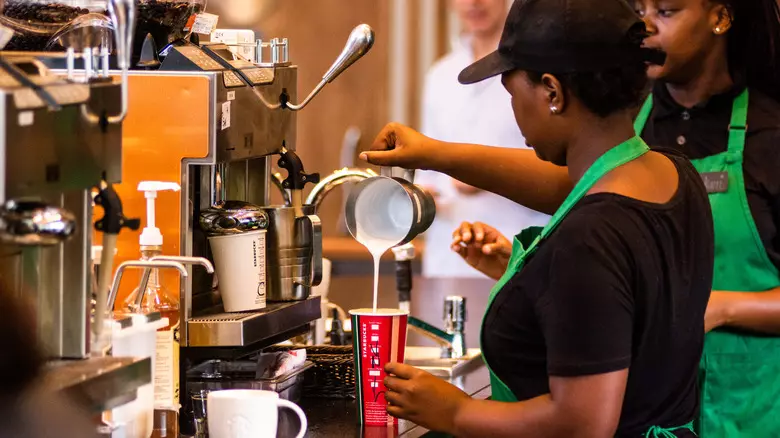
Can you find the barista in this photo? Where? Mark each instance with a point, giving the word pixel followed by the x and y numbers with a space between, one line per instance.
pixel 594 330
pixel 721 65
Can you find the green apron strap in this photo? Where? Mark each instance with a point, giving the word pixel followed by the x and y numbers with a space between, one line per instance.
pixel 644 115
pixel 738 125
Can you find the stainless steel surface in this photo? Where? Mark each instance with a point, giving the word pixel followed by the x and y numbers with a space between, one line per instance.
pixel 99 384
pixel 337 178
pixel 233 217
pixel 247 328
pixel 429 359
pixel 236 167
pixel 35 223
pixel 57 279
pixel 140 264
pixel 290 253
pixel 397 172
pixel 360 41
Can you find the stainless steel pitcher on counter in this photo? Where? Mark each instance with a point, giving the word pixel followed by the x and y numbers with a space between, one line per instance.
pixel 294 238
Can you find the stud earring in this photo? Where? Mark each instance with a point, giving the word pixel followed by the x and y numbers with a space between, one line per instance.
pixel 554 109
pixel 718 31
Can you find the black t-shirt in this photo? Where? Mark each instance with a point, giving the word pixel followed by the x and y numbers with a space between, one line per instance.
pixel 621 283
pixel 702 131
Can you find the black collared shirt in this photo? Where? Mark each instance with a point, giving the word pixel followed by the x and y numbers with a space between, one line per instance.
pixel 702 131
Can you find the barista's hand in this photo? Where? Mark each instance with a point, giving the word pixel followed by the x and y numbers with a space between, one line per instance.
pixel 417 396
pixel 400 146
pixel 483 247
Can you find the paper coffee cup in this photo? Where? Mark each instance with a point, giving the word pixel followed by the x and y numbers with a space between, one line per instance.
pixel 239 261
pixel 378 338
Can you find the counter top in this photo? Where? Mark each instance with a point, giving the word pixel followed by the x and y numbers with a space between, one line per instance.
pixel 337 418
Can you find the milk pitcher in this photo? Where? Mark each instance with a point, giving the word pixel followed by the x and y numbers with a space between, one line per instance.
pixel 389 207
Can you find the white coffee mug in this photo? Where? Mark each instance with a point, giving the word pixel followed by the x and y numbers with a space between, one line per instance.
pixel 239 260
pixel 246 413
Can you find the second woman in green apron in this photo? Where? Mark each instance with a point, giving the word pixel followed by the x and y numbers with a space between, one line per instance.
pixel 596 328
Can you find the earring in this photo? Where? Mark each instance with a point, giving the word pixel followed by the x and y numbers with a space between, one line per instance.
pixel 554 109
pixel 718 30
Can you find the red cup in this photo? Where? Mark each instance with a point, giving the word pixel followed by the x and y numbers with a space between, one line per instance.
pixel 378 338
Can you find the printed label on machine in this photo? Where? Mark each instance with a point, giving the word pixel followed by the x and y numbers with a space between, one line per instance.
pixel 203 23
pixel 225 115
pixel 259 262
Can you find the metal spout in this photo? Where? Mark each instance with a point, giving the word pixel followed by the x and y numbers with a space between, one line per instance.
pixel 140 264
pixel 360 41
pixel 337 178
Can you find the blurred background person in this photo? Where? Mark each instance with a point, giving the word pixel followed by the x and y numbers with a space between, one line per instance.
pixel 27 408
pixel 480 114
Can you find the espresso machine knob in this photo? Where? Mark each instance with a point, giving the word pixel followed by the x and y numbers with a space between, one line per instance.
pixel 33 223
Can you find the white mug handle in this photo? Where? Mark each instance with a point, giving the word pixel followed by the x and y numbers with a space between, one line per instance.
pixel 295 408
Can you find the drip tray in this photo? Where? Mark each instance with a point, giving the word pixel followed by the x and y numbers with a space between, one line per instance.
pixel 246 328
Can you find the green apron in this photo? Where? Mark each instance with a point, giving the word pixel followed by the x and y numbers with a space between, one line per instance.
pixel 739 372
pixel 527 241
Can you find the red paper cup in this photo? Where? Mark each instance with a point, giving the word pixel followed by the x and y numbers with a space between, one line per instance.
pixel 378 338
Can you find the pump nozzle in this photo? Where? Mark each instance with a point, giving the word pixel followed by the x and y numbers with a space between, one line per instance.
pixel 151 235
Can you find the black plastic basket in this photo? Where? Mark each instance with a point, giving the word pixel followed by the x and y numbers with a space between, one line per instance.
pixel 333 373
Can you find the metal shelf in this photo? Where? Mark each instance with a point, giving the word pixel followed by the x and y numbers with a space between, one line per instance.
pixel 99 384
pixel 246 328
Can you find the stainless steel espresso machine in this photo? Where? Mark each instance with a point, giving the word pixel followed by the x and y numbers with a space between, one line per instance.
pixel 213 122
pixel 60 140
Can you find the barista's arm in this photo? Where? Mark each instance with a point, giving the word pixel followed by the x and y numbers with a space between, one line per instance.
pixel 516 174
pixel 580 407
pixel 753 311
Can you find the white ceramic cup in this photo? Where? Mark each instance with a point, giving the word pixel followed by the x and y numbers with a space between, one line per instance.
pixel 246 413
pixel 239 260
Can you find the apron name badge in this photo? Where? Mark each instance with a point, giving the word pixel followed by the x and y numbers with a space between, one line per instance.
pixel 716 182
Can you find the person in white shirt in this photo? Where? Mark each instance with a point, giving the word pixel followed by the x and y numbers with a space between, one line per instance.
pixel 480 114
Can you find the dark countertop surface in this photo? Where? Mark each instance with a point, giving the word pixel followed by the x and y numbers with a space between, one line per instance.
pixel 337 418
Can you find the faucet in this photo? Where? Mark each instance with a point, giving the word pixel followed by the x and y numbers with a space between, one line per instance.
pixel 453 337
pixel 141 264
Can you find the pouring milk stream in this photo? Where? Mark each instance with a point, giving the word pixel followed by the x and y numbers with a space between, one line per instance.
pixel 383 212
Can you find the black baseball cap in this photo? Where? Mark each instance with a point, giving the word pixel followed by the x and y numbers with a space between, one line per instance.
pixel 563 36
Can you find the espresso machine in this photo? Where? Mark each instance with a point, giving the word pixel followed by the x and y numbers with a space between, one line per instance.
pixel 60 143
pixel 214 122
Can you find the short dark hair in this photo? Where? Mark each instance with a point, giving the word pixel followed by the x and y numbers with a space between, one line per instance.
pixel 605 92
pixel 754 43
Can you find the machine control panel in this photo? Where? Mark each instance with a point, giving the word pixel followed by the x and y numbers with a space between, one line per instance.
pixel 231 80
pixel 259 76
pixel 222 54
pixel 197 57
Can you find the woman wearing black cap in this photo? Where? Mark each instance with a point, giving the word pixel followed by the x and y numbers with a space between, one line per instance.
pixel 593 330
pixel 716 99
